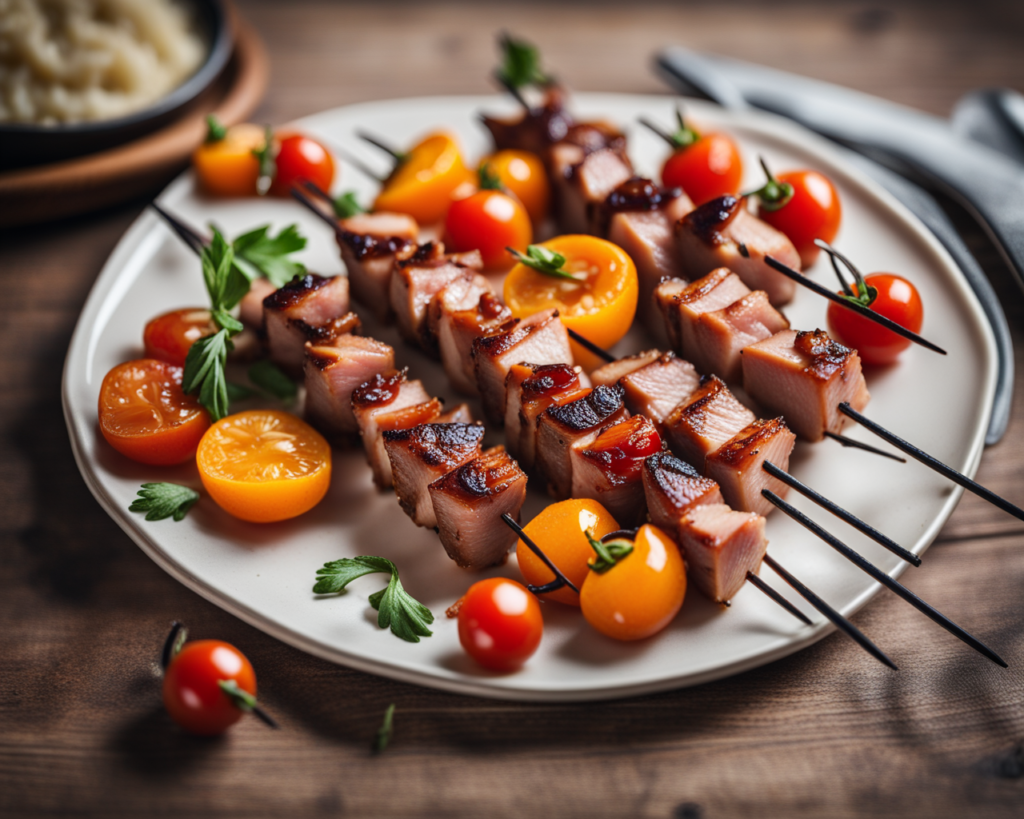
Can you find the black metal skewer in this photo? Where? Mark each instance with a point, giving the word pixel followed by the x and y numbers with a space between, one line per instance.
pixel 305 200
pixel 758 583
pixel 859 309
pixel 841 513
pixel 898 588
pixel 840 622
pixel 600 352
pixel 376 142
pixel 560 579
pixel 850 442
pixel 189 236
pixel 931 462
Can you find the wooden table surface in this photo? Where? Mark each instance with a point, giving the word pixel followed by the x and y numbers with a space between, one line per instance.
pixel 827 732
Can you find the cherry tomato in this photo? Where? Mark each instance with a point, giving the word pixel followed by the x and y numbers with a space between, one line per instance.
pixel 600 307
pixel 898 300
pixel 488 221
pixel 192 694
pixel 560 532
pixel 813 213
pixel 168 337
pixel 522 173
pixel 145 415
pixel 264 465
pixel 422 185
pixel 227 167
pixel 500 624
pixel 709 168
pixel 298 159
pixel 641 593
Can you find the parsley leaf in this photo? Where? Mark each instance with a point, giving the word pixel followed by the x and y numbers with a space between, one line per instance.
pixel 225 283
pixel 383 737
pixel 346 205
pixel 257 253
pixel 268 377
pixel 543 261
pixel 406 616
pixel 521 64
pixel 164 500
pixel 204 371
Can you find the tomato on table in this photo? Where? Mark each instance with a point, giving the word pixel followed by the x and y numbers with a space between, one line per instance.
pixel 145 415
pixel 500 624
pixel 805 206
pixel 522 174
pixel 597 298
pixel 560 532
pixel 191 690
pixel 168 337
pixel 424 180
pixel 300 158
pixel 490 221
pixel 896 299
pixel 641 593
pixel 227 166
pixel 264 465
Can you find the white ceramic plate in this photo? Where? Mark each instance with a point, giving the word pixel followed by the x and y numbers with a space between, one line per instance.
pixel 264 574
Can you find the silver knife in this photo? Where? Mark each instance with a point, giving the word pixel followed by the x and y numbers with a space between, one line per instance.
pixel 884 130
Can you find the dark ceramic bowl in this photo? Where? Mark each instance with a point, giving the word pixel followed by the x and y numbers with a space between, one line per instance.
pixel 24 145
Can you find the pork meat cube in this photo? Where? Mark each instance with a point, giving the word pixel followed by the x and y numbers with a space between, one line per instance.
pixel 665 303
pixel 529 390
pixel 459 319
pixel 708 418
pixel 306 309
pixel 584 186
pixel 721 546
pixel 250 308
pixel 369 243
pixel 608 375
pixel 672 488
pixel 737 465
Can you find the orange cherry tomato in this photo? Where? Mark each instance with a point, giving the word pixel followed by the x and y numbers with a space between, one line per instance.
pixel 641 593
pixel 145 415
pixel 169 336
pixel 298 159
pixel 898 300
pixel 264 465
pixel 191 690
pixel 500 624
pixel 560 532
pixel 227 167
pixel 488 221
pixel 709 168
pixel 522 173
pixel 600 307
pixel 423 183
pixel 814 212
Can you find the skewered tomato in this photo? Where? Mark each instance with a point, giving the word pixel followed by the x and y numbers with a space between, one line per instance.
pixel 812 212
pixel 145 415
pixel 560 532
pixel 522 174
pixel 168 337
pixel 227 166
pixel 264 465
pixel 192 692
pixel 500 623
pixel 640 593
pixel 489 221
pixel 590 281
pixel 896 299
pixel 708 168
pixel 424 180
pixel 301 158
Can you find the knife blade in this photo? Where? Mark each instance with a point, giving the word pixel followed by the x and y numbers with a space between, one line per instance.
pixel 691 72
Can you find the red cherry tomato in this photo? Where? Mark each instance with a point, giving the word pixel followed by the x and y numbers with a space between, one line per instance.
pixel 500 624
pixel 488 221
pixel 192 694
pixel 301 158
pixel 709 168
pixel 898 300
pixel 169 336
pixel 813 213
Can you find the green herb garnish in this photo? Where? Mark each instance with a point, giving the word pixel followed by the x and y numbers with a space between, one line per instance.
pixel 346 205
pixel 268 377
pixel 215 132
pixel 164 500
pixel 407 617
pixel 520 63
pixel 608 554
pixel 257 253
pixel 383 736
pixel 544 261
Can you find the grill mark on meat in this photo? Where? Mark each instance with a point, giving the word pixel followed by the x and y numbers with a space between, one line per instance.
pixel 295 291
pixel 438 444
pixel 482 477
pixel 827 355
pixel 367 246
pixel 710 219
pixel 747 444
pixel 594 408
pixel 325 333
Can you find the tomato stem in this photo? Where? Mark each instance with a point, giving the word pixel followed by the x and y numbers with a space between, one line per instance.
pixel 773 194
pixel 172 645
pixel 267 158
pixel 608 554
pixel 862 292
pixel 682 137
pixel 488 180
pixel 544 261
pixel 215 131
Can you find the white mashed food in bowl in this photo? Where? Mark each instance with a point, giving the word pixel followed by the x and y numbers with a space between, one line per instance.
pixel 70 61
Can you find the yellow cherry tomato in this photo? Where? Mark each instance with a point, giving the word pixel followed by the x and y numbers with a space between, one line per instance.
pixel 227 167
pixel 264 465
pixel 641 593
pixel 560 532
pixel 599 306
pixel 522 173
pixel 423 184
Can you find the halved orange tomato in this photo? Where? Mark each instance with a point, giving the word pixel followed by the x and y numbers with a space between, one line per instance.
pixel 423 183
pixel 264 465
pixel 145 415
pixel 600 305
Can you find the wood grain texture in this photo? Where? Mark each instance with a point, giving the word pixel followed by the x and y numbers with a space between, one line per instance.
pixel 827 732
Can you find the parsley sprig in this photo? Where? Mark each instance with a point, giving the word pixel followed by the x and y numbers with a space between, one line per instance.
pixel 520 63
pixel 544 261
pixel 271 379
pixel 257 253
pixel 164 500
pixel 406 616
